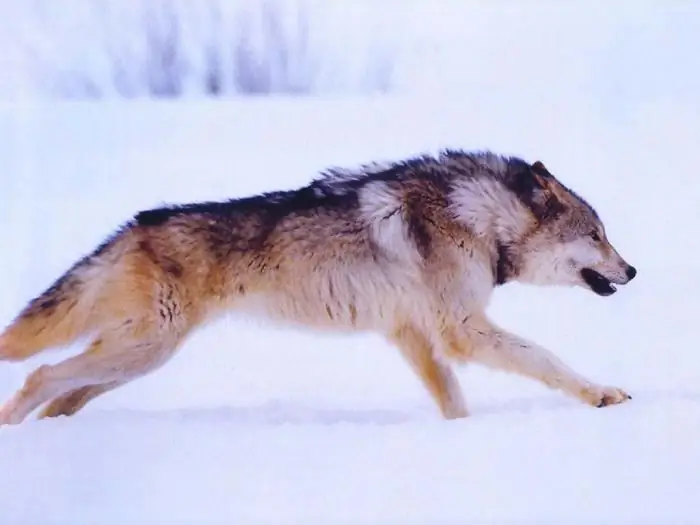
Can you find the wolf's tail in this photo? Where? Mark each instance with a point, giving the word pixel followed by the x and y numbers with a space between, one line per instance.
pixel 62 313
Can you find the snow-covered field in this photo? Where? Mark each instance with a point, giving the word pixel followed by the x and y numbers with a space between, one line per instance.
pixel 256 424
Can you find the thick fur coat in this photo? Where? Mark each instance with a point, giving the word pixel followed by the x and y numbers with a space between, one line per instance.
pixel 411 250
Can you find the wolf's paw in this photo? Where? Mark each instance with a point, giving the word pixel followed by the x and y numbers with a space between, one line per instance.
pixel 607 395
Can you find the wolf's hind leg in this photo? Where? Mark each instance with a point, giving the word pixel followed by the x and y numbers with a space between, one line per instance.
pixel 114 358
pixel 437 377
pixel 71 402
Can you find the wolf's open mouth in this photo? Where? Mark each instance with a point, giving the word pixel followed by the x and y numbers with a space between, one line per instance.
pixel 597 282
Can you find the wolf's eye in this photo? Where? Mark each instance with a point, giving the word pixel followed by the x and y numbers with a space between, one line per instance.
pixel 594 235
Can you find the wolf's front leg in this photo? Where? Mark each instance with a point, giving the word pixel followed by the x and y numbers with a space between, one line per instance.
pixel 479 340
pixel 436 376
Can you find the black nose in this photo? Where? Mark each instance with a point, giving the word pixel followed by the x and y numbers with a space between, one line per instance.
pixel 631 272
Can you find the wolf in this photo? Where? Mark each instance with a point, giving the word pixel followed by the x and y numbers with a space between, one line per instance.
pixel 410 249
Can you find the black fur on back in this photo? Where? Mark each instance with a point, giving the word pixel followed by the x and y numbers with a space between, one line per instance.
pixel 223 219
pixel 335 187
pixel 272 202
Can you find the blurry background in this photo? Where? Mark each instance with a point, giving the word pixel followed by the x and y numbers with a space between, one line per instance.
pixel 616 54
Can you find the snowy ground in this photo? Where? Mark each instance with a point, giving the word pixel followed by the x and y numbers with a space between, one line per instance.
pixel 255 424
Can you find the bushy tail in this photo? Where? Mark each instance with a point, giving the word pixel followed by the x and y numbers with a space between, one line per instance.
pixel 60 315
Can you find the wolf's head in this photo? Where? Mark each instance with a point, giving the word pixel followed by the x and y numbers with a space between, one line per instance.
pixel 566 244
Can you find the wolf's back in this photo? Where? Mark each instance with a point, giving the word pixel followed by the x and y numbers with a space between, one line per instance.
pixel 64 311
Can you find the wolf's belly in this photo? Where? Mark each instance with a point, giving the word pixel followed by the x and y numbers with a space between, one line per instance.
pixel 344 301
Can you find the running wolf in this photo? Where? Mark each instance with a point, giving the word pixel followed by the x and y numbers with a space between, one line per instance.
pixel 410 249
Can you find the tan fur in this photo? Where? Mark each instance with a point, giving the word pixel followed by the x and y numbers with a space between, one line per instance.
pixel 437 377
pixel 347 268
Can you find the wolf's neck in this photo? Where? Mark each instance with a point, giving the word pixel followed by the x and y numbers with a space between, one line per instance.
pixel 490 211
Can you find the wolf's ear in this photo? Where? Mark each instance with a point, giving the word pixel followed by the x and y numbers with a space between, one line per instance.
pixel 526 183
pixel 538 167
pixel 540 172
pixel 533 186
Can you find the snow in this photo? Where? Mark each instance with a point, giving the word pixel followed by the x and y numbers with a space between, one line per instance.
pixel 281 464
pixel 252 423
